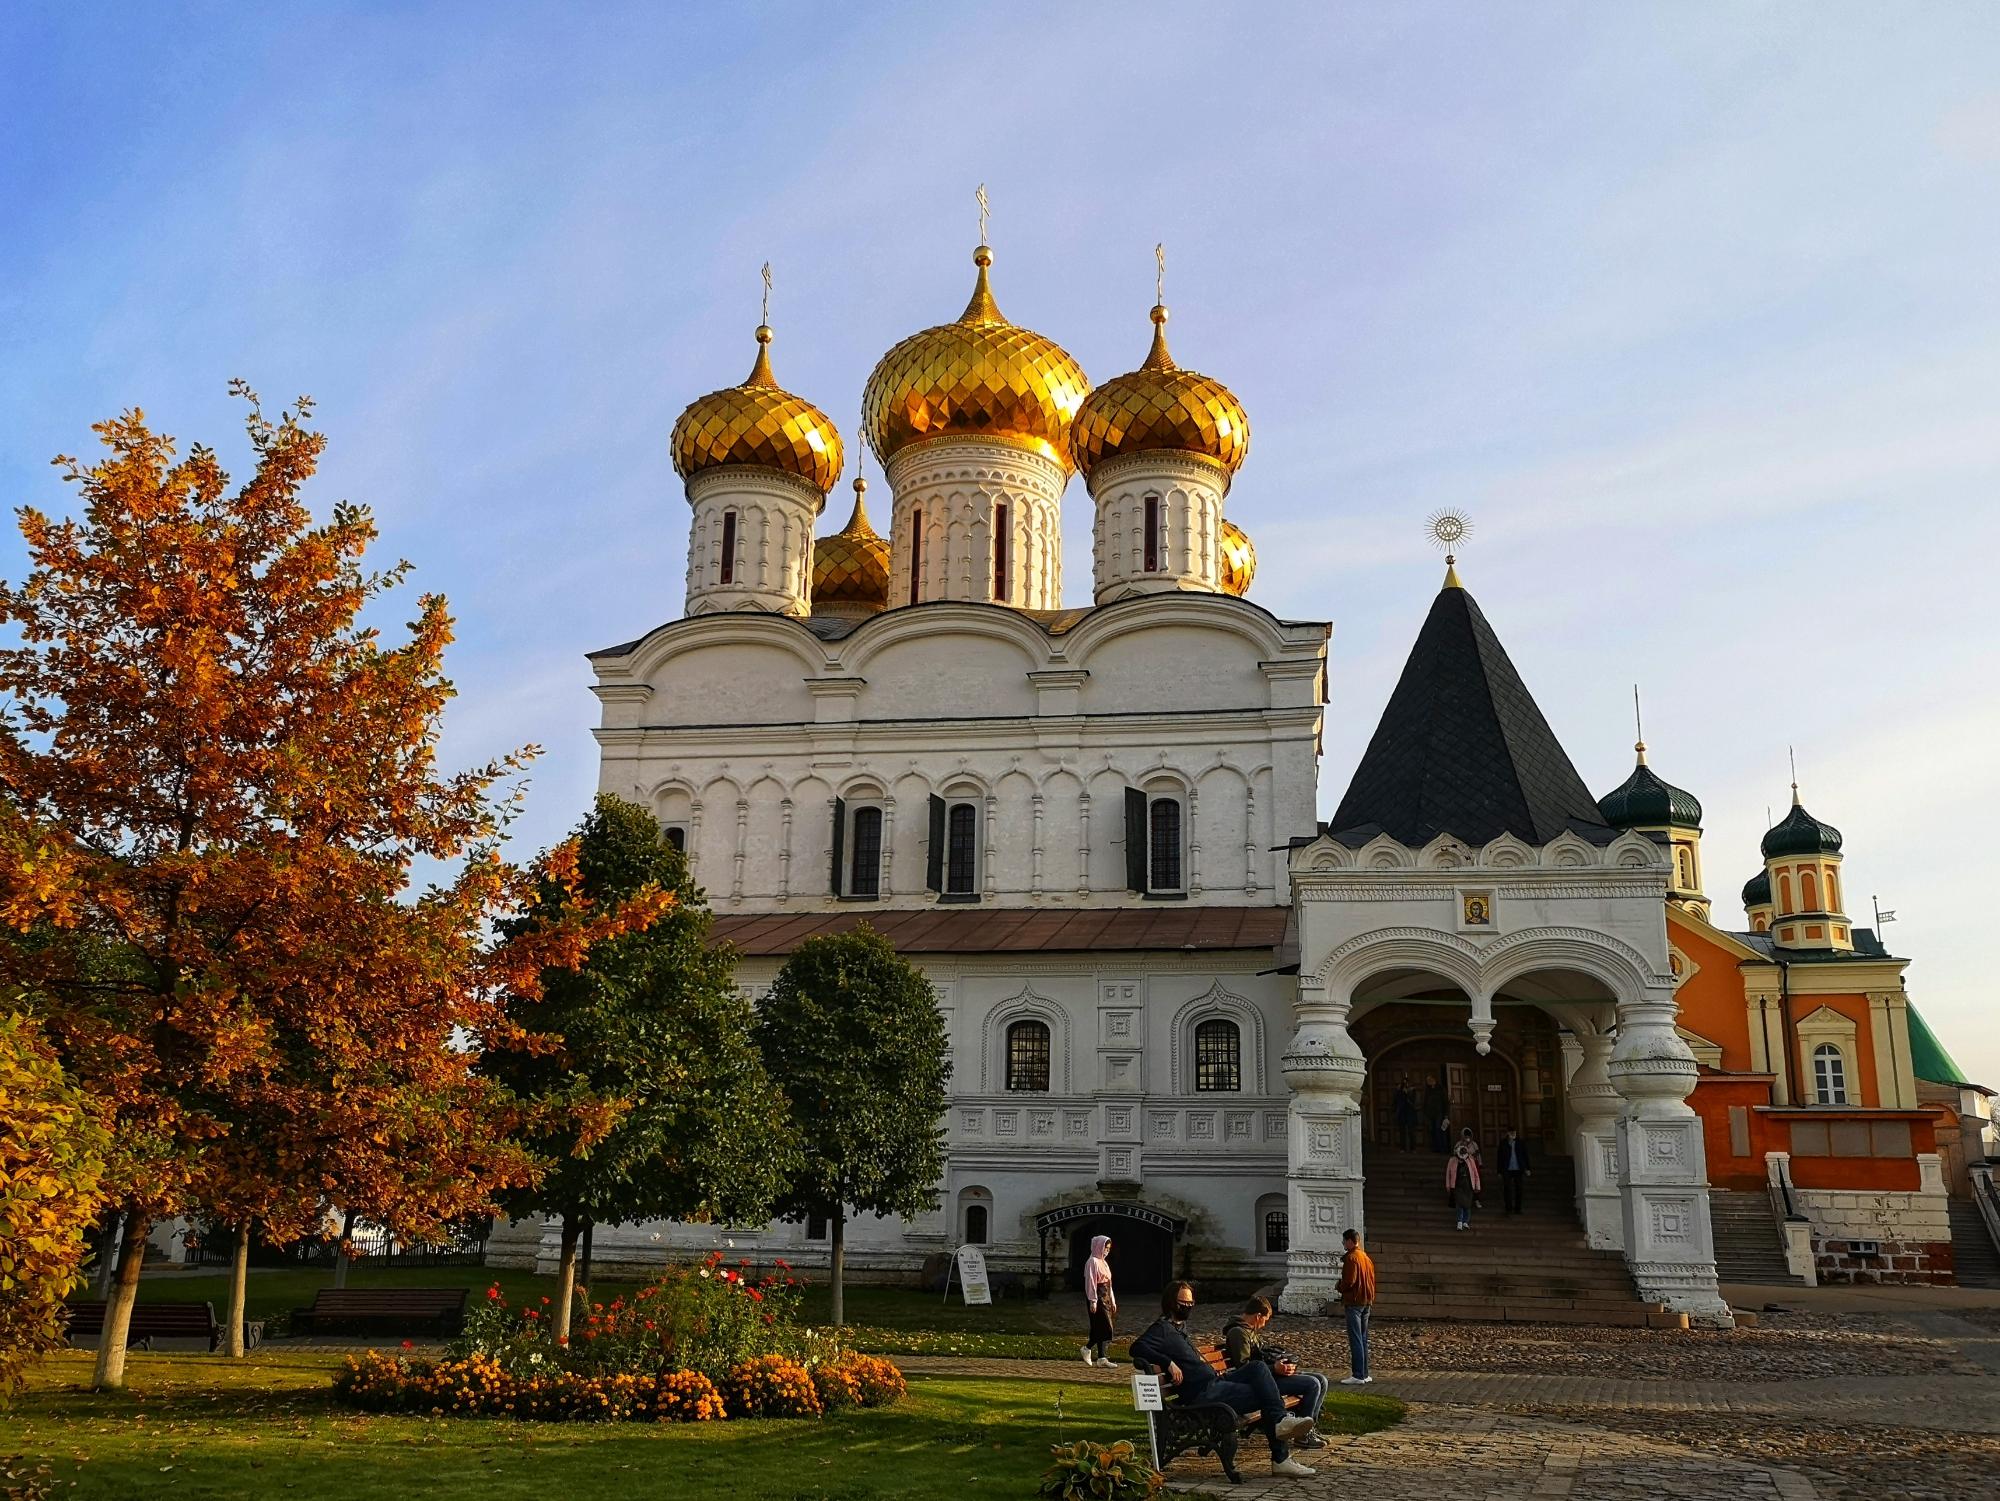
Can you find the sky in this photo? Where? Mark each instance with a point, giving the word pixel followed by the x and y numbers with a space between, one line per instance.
pixel 1694 309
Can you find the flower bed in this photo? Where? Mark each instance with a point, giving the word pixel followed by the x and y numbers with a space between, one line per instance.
pixel 698 1344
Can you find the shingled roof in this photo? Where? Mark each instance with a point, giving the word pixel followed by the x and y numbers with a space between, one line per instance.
pixel 1462 748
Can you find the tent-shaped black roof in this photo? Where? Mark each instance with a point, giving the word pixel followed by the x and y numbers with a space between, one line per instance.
pixel 1463 749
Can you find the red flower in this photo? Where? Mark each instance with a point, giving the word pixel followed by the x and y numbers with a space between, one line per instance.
pixel 409 1344
pixel 755 1294
pixel 493 1291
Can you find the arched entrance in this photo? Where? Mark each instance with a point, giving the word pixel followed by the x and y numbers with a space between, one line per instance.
pixel 1517 1083
pixel 1142 1242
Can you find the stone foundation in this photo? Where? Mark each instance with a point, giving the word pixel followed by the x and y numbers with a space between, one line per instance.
pixel 1910 1232
pixel 1904 1261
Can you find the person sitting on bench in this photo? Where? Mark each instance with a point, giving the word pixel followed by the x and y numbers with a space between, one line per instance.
pixel 1242 1347
pixel 1166 1348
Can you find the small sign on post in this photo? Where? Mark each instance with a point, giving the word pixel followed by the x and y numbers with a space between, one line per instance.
pixel 1146 1394
pixel 970 1264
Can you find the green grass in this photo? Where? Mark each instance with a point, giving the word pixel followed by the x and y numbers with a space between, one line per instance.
pixel 200 1428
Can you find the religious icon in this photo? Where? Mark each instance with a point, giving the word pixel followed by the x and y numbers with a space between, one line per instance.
pixel 1477 914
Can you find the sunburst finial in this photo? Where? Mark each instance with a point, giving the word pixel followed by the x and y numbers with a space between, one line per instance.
pixel 1447 529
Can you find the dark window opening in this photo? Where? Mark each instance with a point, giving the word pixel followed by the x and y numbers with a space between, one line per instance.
pixel 1000 547
pixel 1218 1057
pixel 916 552
pixel 864 874
pixel 677 836
pixel 961 856
pixel 816 1227
pixel 1163 845
pixel 1152 534
pixel 975 1225
pixel 728 547
pixel 1028 1057
pixel 1277 1233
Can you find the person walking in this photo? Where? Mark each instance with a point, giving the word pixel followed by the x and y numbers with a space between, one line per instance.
pixel 1357 1297
pixel 1461 1181
pixel 1437 1115
pixel 1404 1109
pixel 1101 1301
pixel 1467 1142
pixel 1514 1170
pixel 1165 1347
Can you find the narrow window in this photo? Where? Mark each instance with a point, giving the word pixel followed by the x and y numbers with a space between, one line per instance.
pixel 1785 893
pixel 1152 534
pixel 1163 845
pixel 1832 890
pixel 1028 1057
pixel 975 1224
pixel 1001 541
pixel 961 852
pixel 1218 1057
pixel 677 836
pixel 1829 1075
pixel 1808 892
pixel 728 547
pixel 816 1227
pixel 864 873
pixel 916 552
pixel 1277 1233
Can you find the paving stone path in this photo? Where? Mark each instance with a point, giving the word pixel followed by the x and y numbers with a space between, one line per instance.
pixel 1474 1435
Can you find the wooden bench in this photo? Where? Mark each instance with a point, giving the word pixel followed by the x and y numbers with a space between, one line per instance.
pixel 1204 1427
pixel 396 1310
pixel 150 1321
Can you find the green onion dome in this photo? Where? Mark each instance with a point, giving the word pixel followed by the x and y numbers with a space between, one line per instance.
pixel 1643 800
pixel 1757 890
pixel 1801 834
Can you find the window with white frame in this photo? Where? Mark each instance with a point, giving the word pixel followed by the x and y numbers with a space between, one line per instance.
pixel 961 849
pixel 1218 1056
pixel 1829 1075
pixel 1155 841
pixel 864 851
pixel 1028 1057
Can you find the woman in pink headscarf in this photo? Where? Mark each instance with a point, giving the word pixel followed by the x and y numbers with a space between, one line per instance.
pixel 1103 1303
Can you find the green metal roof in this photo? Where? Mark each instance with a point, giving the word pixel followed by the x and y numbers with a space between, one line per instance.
pixel 1644 798
pixel 1928 1058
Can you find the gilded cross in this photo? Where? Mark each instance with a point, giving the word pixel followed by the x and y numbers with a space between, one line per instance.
pixel 767 294
pixel 1160 274
pixel 984 209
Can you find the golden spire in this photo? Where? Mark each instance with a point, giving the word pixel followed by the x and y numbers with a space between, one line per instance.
pixel 1638 726
pixel 1157 358
pixel 1446 529
pixel 1793 756
pixel 760 372
pixel 857 524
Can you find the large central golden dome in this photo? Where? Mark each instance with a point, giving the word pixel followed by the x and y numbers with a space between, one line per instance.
pixel 980 377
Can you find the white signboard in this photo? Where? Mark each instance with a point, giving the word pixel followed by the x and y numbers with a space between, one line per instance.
pixel 972 1275
pixel 1146 1394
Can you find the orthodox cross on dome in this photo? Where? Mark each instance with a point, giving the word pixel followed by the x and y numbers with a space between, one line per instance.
pixel 1638 726
pixel 1448 529
pixel 1160 274
pixel 766 318
pixel 984 209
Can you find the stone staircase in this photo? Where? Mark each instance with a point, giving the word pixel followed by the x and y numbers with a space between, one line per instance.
pixel 1972 1250
pixel 1534 1267
pixel 1748 1246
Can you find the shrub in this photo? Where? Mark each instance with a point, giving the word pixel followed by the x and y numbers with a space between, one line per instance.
pixel 1101 1472
pixel 851 1380
pixel 476 1385
pixel 771 1387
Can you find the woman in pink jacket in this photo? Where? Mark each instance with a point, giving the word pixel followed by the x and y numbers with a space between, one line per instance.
pixel 1461 1181
pixel 1102 1302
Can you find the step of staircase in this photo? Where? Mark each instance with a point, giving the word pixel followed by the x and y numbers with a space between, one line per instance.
pixel 1531 1267
pixel 1748 1245
pixel 1972 1248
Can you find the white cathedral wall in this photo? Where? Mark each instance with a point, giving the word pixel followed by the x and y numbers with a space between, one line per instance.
pixel 1121 1080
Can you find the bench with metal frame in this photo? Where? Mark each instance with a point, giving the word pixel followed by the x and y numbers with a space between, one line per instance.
pixel 1203 1427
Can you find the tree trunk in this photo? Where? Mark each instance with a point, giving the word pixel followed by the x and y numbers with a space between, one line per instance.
pixel 110 1372
pixel 107 1253
pixel 583 1276
pixel 239 1279
pixel 572 1227
pixel 340 1256
pixel 837 1233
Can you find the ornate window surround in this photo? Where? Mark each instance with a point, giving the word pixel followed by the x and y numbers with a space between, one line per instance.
pixel 1027 1004
pixel 1217 1002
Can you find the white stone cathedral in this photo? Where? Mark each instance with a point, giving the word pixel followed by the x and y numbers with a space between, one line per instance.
pixel 1095 830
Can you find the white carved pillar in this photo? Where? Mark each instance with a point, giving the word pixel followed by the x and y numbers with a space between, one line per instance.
pixel 1325 1071
pixel 1194 840
pixel 1035 871
pixel 694 834
pixel 1249 839
pixel 888 846
pixel 1594 1108
pixel 991 882
pixel 1663 1168
pixel 742 848
pixel 785 851
pixel 1083 844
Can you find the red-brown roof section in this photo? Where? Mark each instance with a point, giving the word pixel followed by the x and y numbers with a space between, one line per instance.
pixel 978 930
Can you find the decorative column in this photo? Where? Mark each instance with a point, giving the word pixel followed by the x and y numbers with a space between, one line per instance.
pixel 1325 1071
pixel 1594 1107
pixel 1663 1168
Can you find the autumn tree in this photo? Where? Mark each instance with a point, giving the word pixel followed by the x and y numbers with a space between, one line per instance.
pixel 51 1162
pixel 213 768
pixel 852 1033
pixel 652 1035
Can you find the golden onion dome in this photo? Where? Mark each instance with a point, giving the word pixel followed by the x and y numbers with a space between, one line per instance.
pixel 851 567
pixel 981 377
pixel 1237 559
pixel 1161 406
pixel 760 425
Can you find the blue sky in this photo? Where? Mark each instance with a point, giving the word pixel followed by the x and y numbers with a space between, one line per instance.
pixel 1694 309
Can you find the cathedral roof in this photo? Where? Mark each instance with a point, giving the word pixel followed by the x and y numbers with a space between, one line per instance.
pixel 1160 406
pixel 983 930
pixel 1799 833
pixel 1463 749
pixel 1644 799
pixel 1928 1058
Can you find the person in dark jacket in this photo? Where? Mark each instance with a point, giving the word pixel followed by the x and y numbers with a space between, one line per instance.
pixel 1514 1169
pixel 1241 1345
pixel 1404 1108
pixel 1437 1115
pixel 1165 1347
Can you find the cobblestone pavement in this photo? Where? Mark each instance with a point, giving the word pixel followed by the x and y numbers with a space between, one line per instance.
pixel 1881 1408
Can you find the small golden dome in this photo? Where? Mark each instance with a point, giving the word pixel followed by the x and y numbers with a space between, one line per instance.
pixel 980 377
pixel 1236 558
pixel 761 425
pixel 1161 406
pixel 851 567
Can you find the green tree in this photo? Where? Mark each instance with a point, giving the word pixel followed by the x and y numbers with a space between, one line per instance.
pixel 852 1033
pixel 637 1072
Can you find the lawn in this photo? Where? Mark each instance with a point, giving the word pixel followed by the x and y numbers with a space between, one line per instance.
pixel 198 1427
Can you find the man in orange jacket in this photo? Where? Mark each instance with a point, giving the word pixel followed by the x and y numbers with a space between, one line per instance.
pixel 1357 1296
